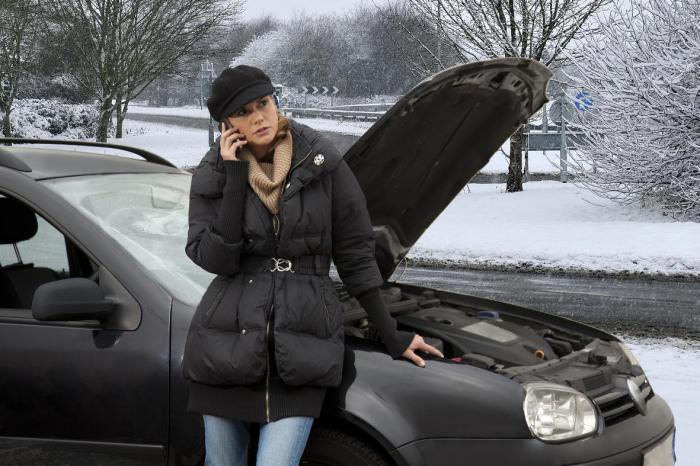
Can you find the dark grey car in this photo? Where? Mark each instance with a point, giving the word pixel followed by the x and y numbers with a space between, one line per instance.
pixel 96 296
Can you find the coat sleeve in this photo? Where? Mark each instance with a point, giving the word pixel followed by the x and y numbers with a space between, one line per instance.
pixel 352 234
pixel 214 238
pixel 353 255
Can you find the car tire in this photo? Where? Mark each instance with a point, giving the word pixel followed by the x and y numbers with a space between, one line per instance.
pixel 330 446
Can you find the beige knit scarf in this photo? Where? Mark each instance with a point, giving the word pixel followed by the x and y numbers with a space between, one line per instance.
pixel 266 178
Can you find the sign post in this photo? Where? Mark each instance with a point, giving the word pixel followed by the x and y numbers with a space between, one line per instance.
pixel 563 169
pixel 202 86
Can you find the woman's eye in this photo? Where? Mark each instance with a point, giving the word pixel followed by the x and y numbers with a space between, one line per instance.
pixel 263 102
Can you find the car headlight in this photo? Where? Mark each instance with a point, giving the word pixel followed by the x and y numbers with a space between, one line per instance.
pixel 630 357
pixel 556 413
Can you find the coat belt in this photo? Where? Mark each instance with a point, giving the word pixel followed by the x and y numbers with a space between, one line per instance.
pixel 308 264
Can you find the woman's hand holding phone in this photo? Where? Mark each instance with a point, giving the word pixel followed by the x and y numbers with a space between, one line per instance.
pixel 231 140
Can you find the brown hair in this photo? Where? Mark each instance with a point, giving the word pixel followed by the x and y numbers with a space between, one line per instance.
pixel 282 127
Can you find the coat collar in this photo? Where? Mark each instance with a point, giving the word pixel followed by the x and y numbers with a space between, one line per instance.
pixel 310 160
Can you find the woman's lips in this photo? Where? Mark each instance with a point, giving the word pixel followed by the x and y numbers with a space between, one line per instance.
pixel 262 131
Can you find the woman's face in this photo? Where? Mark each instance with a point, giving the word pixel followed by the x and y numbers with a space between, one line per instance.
pixel 256 115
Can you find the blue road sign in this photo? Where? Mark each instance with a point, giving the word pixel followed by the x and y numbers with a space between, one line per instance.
pixel 583 101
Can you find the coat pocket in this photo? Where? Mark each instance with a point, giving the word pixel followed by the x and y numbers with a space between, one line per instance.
pixel 331 306
pixel 217 357
pixel 211 308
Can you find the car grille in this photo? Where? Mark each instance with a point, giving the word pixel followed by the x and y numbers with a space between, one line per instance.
pixel 616 403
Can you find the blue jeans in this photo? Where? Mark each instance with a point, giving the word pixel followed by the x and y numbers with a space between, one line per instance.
pixel 281 442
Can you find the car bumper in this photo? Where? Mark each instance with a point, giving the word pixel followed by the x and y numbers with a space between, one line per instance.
pixel 622 444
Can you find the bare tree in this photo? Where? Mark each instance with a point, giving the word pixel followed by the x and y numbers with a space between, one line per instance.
pixel 537 29
pixel 17 27
pixel 129 43
pixel 642 135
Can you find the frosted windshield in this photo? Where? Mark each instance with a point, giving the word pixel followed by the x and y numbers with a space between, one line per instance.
pixel 147 213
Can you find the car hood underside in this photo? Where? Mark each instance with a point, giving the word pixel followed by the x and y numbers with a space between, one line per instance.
pixel 422 152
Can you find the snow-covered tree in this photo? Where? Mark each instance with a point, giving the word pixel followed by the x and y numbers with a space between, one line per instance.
pixel 642 135
pixel 124 45
pixel 265 52
pixel 18 20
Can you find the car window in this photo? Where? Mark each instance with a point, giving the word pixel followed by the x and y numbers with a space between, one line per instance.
pixel 27 264
pixel 45 249
pixel 147 214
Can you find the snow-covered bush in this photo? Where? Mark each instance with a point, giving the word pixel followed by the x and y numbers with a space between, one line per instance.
pixel 49 118
pixel 642 134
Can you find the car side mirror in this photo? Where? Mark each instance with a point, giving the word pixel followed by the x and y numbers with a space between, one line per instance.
pixel 71 299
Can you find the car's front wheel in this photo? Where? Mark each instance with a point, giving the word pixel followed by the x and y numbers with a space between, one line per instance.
pixel 329 446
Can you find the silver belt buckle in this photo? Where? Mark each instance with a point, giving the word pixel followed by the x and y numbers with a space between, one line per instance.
pixel 281 265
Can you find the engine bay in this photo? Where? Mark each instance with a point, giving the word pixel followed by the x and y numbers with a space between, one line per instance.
pixel 513 345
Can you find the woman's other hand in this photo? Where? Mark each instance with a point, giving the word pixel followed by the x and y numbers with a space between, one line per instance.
pixel 419 344
pixel 229 143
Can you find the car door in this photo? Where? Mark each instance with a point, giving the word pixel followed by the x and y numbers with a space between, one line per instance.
pixel 72 392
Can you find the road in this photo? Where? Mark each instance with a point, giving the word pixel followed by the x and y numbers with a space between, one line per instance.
pixel 645 308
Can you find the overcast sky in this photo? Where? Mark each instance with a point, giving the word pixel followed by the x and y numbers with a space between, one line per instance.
pixel 283 8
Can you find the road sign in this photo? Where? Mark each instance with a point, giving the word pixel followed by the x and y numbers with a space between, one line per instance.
pixel 325 90
pixel 315 90
pixel 555 110
pixel 583 101
pixel 335 90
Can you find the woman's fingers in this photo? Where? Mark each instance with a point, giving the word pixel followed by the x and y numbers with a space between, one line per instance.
pixel 419 344
pixel 417 360
pixel 431 349
pixel 230 141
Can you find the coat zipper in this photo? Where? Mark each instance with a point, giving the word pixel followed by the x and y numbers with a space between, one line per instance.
pixel 289 173
pixel 276 228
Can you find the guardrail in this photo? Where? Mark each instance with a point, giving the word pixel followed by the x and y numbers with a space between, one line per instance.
pixel 342 115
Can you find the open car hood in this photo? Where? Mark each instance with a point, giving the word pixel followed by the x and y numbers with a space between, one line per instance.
pixel 414 160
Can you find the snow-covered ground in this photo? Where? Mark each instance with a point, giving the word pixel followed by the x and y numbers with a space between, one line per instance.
pixel 548 226
pixel 552 225
pixel 673 368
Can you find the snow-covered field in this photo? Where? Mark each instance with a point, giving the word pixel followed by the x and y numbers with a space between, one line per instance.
pixel 673 368
pixel 552 225
pixel 548 226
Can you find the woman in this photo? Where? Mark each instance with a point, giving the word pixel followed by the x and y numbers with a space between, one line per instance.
pixel 270 204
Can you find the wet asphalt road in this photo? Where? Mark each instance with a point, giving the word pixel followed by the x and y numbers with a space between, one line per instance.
pixel 621 305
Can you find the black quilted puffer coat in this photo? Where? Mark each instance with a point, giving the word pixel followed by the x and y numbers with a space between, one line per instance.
pixel 289 302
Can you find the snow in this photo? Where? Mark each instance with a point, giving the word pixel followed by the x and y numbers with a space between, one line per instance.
pixel 553 225
pixel 187 111
pixel 538 161
pixel 672 366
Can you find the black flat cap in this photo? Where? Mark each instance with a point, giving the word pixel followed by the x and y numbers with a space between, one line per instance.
pixel 235 87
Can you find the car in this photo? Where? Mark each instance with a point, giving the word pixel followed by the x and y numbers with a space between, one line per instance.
pixel 97 295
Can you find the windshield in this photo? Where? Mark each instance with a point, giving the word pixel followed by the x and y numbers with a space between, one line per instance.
pixel 147 213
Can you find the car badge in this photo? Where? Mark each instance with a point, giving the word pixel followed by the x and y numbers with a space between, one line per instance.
pixel 318 160
pixel 637 396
